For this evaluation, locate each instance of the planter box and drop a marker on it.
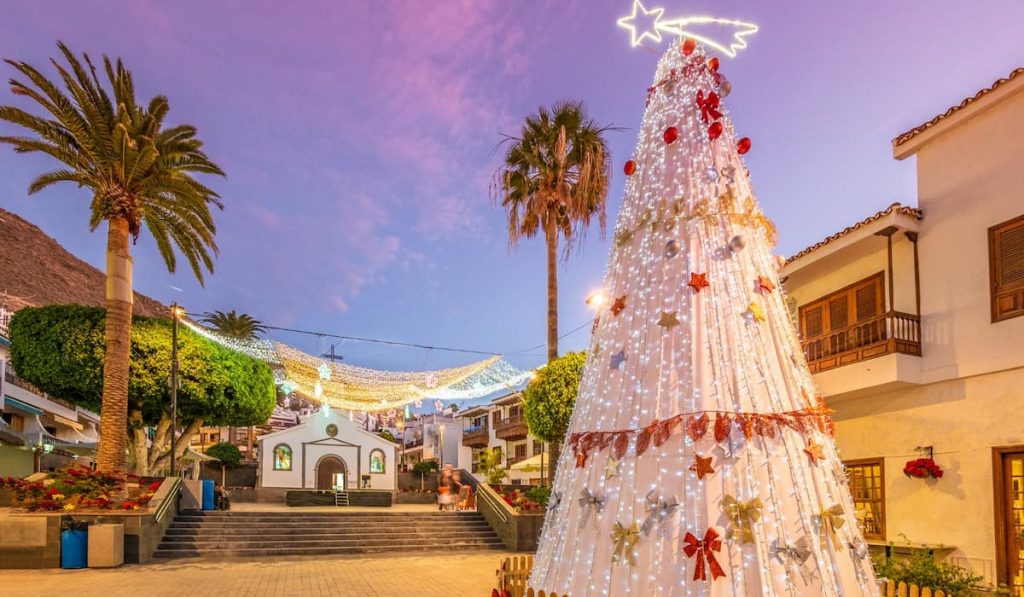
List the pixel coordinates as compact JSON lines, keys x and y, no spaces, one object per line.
{"x":417,"y":498}
{"x":519,"y":531}
{"x":106,"y":545}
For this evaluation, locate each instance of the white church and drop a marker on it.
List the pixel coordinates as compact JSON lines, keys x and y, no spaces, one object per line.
{"x":327,"y":451}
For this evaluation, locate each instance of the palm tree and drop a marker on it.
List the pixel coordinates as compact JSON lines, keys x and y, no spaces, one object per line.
{"x":554,"y":180}
{"x":138,"y":172}
{"x":237,"y":325}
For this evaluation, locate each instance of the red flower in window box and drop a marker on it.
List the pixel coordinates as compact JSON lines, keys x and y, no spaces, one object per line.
{"x":922,"y":468}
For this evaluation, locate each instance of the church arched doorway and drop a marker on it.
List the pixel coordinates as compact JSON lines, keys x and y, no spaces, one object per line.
{"x":331,"y":473}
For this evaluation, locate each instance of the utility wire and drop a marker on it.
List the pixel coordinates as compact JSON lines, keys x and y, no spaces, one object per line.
{"x":427,"y":347}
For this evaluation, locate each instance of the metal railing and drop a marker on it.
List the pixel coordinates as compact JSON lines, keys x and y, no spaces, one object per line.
{"x":884,"y":334}
{"x":170,"y":499}
{"x":487,"y":495}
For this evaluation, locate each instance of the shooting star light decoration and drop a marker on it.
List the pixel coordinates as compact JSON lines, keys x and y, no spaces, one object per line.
{"x":651,"y":24}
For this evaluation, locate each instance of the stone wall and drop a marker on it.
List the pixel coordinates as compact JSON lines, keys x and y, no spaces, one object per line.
{"x":29,"y":541}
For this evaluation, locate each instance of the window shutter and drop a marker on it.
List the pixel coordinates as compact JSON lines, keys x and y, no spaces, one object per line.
{"x":812,"y":322}
{"x":867,"y":302}
{"x":838,"y":314}
{"x":1006,"y":253}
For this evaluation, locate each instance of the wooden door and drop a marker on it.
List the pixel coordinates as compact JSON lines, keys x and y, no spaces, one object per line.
{"x":1012,"y":518}
{"x":326,"y":469}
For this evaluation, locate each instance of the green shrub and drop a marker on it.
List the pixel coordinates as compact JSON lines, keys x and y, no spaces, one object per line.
{"x":539,"y":495}
{"x":227,"y":453}
{"x":922,"y":570}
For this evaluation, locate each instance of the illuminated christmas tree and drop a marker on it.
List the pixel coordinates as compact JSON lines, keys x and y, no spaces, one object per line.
{"x":698,"y":460}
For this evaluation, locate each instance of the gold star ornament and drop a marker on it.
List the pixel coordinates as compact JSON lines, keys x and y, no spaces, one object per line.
{"x":668,"y":320}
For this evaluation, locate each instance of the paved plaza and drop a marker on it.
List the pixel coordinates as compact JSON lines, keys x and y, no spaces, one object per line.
{"x":427,"y":575}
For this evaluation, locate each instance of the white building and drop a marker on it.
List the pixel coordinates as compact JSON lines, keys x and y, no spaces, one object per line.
{"x":500,"y":426}
{"x":327,"y":451}
{"x":912,"y":322}
{"x":434,"y":436}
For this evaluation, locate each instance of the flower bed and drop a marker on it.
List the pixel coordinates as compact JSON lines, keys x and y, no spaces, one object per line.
{"x":80,"y":488}
{"x":520,"y":500}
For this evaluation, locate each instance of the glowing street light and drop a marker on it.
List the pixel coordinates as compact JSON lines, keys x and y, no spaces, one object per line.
{"x":596,"y":299}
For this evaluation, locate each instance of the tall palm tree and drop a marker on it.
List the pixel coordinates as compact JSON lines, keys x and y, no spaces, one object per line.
{"x":236,"y":325}
{"x":554,"y":180}
{"x":138,"y":172}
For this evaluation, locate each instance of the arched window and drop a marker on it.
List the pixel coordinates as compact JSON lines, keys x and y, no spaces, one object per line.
{"x":377,"y":462}
{"x":282,"y":457}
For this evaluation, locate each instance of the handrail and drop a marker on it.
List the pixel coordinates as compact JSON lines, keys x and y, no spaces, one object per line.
{"x":904,"y":328}
{"x":488,"y":494}
{"x":170,"y":498}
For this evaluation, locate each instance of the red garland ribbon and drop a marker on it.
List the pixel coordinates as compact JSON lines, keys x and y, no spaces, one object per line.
{"x":693,"y":63}
{"x":696,"y":425}
{"x":705,"y":550}
{"x":708,"y":105}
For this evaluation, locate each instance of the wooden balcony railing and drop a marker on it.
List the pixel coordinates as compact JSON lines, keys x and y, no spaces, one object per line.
{"x":511,"y":428}
{"x":516,"y":459}
{"x":475,"y":437}
{"x":892,"y":332}
{"x":414,"y":443}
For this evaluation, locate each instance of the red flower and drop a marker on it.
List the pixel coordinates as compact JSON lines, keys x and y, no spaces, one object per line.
{"x":154,"y":485}
{"x":922,"y":468}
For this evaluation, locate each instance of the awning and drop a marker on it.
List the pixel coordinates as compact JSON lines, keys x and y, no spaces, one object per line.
{"x":18,"y":404}
{"x":191,"y":454}
{"x":68,"y":423}
{"x":531,"y":464}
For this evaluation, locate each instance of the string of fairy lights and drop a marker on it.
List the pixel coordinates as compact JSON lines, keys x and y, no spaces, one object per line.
{"x":354,"y":388}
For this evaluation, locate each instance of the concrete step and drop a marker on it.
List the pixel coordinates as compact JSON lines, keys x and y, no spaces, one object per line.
{"x":289,"y":538}
{"x":317,"y":551}
{"x":263,"y":531}
{"x":353,"y":542}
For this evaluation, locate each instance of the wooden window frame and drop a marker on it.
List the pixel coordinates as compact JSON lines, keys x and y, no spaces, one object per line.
{"x":824,"y":300}
{"x":995,"y":288}
{"x":880,"y":462}
{"x":998,"y":496}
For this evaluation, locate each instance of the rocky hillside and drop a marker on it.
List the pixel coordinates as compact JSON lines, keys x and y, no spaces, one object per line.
{"x":35,"y":270}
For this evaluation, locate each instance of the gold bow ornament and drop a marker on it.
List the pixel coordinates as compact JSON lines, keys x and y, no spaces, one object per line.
{"x":829,"y":520}
{"x":743,"y":515}
{"x":623,"y":541}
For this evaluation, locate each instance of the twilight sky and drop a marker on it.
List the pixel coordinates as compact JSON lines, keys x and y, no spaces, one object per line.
{"x":359,"y":141}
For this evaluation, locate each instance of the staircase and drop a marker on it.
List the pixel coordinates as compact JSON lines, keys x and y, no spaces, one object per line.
{"x":340,"y":498}
{"x":218,"y":534}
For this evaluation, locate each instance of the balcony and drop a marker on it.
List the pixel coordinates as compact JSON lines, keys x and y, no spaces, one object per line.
{"x":890,"y":333}
{"x":516,"y":459}
{"x":475,"y":437}
{"x":414,"y":443}
{"x":512,"y":428}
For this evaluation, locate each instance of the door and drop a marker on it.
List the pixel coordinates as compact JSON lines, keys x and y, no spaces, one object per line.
{"x":331,"y":472}
{"x":1012,"y":517}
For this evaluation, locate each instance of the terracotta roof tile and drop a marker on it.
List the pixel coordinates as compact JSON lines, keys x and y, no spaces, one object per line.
{"x":894,"y":208}
{"x":907,"y":136}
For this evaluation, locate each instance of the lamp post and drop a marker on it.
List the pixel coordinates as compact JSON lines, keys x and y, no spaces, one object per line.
{"x":176,"y":312}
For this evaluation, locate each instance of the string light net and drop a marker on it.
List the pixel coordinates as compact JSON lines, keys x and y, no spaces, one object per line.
{"x":370,"y":390}
{"x":698,"y":461}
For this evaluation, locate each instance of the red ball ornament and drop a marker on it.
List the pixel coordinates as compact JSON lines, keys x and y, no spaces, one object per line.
{"x":715,"y":130}
{"x":671,"y":134}
{"x":689,"y":46}
{"x":629,"y":168}
{"x":713,"y":64}
{"x":743,"y":145}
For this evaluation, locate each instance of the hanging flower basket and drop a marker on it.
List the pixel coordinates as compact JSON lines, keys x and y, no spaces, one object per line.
{"x":922,"y":468}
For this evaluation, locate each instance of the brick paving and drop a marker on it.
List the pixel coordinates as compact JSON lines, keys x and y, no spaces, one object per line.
{"x":460,"y":574}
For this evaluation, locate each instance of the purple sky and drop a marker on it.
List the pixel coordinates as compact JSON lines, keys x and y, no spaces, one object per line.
{"x":358,"y":141}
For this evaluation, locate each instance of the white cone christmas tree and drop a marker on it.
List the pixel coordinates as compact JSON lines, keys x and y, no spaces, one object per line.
{"x":698,"y":460}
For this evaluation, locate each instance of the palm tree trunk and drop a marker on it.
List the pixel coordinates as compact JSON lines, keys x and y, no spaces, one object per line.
{"x":551,"y":236}
{"x":110,"y":454}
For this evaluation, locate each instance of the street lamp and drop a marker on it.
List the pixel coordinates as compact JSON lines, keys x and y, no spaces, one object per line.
{"x":596,"y":299}
{"x":177,"y":312}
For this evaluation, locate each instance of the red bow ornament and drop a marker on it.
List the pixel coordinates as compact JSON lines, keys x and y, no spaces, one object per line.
{"x":708,"y":106}
{"x":704,"y":549}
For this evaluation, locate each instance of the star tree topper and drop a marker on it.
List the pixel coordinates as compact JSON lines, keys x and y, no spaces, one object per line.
{"x":651,"y":24}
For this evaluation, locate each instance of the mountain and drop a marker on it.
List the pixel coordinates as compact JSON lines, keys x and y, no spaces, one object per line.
{"x":35,"y":270}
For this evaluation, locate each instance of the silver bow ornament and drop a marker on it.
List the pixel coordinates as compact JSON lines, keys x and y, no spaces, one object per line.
{"x":797,"y":555}
{"x":590,"y":502}
{"x":554,"y":501}
{"x":658,"y":511}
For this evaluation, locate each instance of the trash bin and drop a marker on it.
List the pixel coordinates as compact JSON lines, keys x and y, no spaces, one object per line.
{"x":208,"y":501}
{"x":106,"y":545}
{"x":74,"y":549}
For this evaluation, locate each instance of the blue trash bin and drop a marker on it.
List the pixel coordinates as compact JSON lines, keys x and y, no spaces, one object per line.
{"x":208,"y":501}
{"x":74,"y":549}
